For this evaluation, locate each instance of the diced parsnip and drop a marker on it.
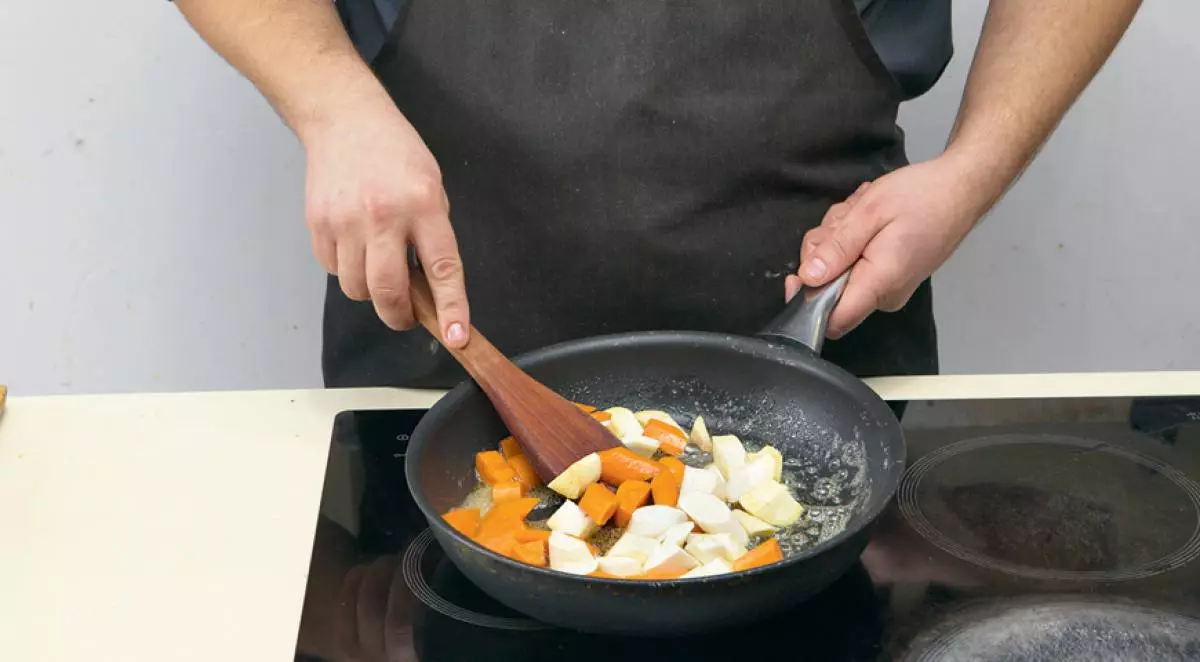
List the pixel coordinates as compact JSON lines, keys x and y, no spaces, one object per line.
{"x":749,"y":476}
{"x":772,"y":452}
{"x":753,"y":526}
{"x":765,"y":554}
{"x":620,"y":566}
{"x":653,"y":521}
{"x":671,"y":440}
{"x":633,"y":546}
{"x":641,"y":444}
{"x":571,"y":520}
{"x":699,"y":480}
{"x":772,"y":502}
{"x":728,"y":454}
{"x":669,"y":560}
{"x":710,"y":569}
{"x":700,"y":436}
{"x":720,"y":490}
{"x":623,"y":423}
{"x":572,"y":482}
{"x":708,"y":546}
{"x":571,"y":555}
{"x":712,"y":515}
{"x":631,"y":495}
{"x":646,"y":415}
{"x":678,"y":534}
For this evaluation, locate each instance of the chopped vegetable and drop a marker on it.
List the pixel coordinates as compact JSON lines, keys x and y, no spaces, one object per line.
{"x":675,"y":466}
{"x":669,"y":559}
{"x":749,"y":476}
{"x":653,"y":521}
{"x":728,"y":454}
{"x":505,"y":518}
{"x":754,"y":527}
{"x":765,"y":554}
{"x":708,"y":546}
{"x":712,"y":515}
{"x":677,"y":535}
{"x":463,"y":520}
{"x":624,"y":424}
{"x":772,"y":503}
{"x":671,"y":440}
{"x":660,"y":575}
{"x":531,"y":535}
{"x":631,"y":495}
{"x":774,"y":453}
{"x":533,"y":553}
{"x":507,"y":491}
{"x":599,"y":503}
{"x":526,"y":475}
{"x":571,"y":555}
{"x":571,"y":520}
{"x":602,"y":416}
{"x":510,"y":448}
{"x":700,"y":436}
{"x":699,"y":480}
{"x":646,"y":415}
{"x":618,"y":465}
{"x":665,"y":489}
{"x":620,"y":566}
{"x":633,"y":546}
{"x":713,"y":567}
{"x":641,"y":444}
{"x":493,"y":468}
{"x":572,"y":482}
{"x":587,"y":409}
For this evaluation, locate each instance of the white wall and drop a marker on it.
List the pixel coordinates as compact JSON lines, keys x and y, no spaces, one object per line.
{"x":151,"y":234}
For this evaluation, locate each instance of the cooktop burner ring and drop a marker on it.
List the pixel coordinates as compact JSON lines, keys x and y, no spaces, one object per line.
{"x":908,"y":501}
{"x":411,"y":570}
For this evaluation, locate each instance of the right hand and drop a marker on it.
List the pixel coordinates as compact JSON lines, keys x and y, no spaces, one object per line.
{"x":373,"y":189}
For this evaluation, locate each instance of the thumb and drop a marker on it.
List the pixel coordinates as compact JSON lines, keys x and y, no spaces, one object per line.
{"x":840,"y":246}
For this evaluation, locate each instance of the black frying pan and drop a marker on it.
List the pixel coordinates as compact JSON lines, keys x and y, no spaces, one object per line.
{"x":772,"y":388}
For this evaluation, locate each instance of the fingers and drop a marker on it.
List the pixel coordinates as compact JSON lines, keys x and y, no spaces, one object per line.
{"x":837,"y":243}
{"x":387,"y":279}
{"x":437,"y":250}
{"x":351,"y":268}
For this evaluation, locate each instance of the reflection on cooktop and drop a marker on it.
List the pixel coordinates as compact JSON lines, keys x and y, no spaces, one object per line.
{"x":1054,"y":530}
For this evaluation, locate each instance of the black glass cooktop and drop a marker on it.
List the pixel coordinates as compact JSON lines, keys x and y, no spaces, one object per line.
{"x":1055,"y":530}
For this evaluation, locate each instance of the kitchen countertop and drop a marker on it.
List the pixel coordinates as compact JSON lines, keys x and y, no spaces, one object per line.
{"x":179,"y":526}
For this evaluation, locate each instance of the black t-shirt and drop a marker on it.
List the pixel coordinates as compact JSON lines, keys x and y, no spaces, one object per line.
{"x":912,"y":37}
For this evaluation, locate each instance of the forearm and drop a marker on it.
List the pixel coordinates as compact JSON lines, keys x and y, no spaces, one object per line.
{"x":1033,"y":60}
{"x":296,"y":53}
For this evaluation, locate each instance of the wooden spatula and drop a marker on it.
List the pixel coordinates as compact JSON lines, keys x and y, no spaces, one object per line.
{"x":3,"y":395}
{"x":553,"y":432}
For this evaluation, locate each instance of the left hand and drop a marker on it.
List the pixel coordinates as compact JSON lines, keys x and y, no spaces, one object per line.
{"x":894,"y":232}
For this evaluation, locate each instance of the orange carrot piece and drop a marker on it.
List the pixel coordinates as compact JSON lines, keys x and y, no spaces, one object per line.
{"x":533,"y":553}
{"x":505,"y":517}
{"x":507,"y":491}
{"x":587,"y":409}
{"x":464,"y":520}
{"x":493,"y":468}
{"x":671,"y":440}
{"x":599,"y":503}
{"x":600,"y":574}
{"x":631,"y":495}
{"x":592,"y":548}
{"x":661,"y":575}
{"x":765,"y":554}
{"x":532,"y":535}
{"x":510,"y":448}
{"x":620,"y":464}
{"x":665,"y":489}
{"x":602,"y":416}
{"x":673,"y":465}
{"x":526,"y":475}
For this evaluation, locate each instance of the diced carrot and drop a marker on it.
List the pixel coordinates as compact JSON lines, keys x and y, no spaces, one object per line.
{"x":765,"y":554}
{"x":532,"y":535}
{"x":631,"y":495}
{"x":602,"y":416}
{"x":673,"y":465}
{"x":671,"y":440}
{"x":505,"y":517}
{"x":493,"y":468}
{"x":507,"y":491}
{"x":510,"y":448}
{"x":464,"y":520}
{"x":586,"y":408}
{"x":620,"y":464}
{"x":533,"y":553}
{"x":504,"y":545}
{"x":599,"y":503}
{"x":660,"y":575}
{"x":526,"y":476}
{"x":665,"y":489}
{"x":600,"y":574}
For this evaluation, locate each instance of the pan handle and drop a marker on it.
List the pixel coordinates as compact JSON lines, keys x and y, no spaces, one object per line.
{"x":806,"y":317}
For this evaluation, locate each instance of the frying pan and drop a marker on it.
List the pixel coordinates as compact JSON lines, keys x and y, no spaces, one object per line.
{"x":844,"y":441}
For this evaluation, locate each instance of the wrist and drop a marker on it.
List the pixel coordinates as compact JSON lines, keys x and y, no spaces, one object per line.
{"x":979,"y":174}
{"x":358,"y":94}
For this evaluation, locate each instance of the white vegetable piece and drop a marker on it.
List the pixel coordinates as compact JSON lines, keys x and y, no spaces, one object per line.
{"x":677,"y":535}
{"x":620,"y":566}
{"x":623,"y":423}
{"x":670,"y":559}
{"x":700,"y":436}
{"x":571,"y":555}
{"x":633,"y":546}
{"x":571,"y":520}
{"x":753,"y":525}
{"x":772,"y":502}
{"x":653,"y":521}
{"x":720,"y":490}
{"x":572,"y":482}
{"x":728,"y":454}
{"x":644,"y":417}
{"x":713,"y":567}
{"x":772,"y":452}
{"x":641,"y":444}
{"x":712,"y":515}
{"x":706,"y":547}
{"x":699,"y":480}
{"x":749,"y":476}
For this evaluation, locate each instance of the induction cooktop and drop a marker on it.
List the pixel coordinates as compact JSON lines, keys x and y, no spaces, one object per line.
{"x":1024,"y":529}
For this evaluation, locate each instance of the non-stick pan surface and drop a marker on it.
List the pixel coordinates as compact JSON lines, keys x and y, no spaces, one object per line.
{"x":827,"y":423}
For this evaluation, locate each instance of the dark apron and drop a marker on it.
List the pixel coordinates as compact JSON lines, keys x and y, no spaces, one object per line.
{"x":622,"y":166}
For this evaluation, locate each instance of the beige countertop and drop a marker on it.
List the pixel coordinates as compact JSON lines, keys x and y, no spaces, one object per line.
{"x":179,"y":526}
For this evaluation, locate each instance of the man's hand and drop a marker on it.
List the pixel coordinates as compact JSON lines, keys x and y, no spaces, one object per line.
{"x":373,"y":190}
{"x":894,"y":232}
